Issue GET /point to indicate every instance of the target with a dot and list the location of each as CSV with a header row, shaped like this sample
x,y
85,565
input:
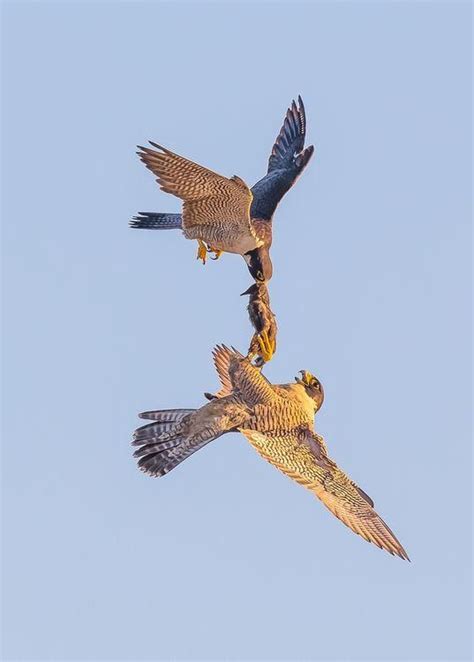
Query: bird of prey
x,y
278,422
224,214
263,343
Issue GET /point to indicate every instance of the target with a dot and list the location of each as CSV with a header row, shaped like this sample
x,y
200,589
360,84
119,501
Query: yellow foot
x,y
202,251
267,346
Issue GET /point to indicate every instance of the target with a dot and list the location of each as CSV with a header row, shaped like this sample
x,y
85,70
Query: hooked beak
x,y
252,289
305,378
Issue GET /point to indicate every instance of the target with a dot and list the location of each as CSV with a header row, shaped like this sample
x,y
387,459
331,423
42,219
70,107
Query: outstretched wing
x,y
208,197
239,376
287,161
301,455
290,141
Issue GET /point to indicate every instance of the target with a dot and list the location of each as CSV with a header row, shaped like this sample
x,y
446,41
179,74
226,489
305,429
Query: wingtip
x,y
250,290
403,555
217,349
158,146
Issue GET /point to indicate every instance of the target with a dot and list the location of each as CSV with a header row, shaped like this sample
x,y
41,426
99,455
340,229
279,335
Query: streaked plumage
x,y
278,422
216,209
263,343
287,161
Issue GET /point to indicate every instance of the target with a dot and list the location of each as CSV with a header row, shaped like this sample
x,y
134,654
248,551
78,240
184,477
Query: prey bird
x,y
263,343
278,422
223,214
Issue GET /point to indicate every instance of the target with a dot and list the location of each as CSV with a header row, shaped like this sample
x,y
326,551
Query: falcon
x,y
222,213
263,343
278,422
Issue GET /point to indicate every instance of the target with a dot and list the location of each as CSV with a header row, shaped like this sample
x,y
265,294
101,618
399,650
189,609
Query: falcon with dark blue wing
x,y
287,161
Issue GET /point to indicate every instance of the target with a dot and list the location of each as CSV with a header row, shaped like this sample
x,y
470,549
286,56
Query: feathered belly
x,y
243,245
286,416
224,237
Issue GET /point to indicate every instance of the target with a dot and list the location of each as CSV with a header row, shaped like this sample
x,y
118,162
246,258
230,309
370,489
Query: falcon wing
x,y
208,197
239,376
287,161
221,356
290,141
301,455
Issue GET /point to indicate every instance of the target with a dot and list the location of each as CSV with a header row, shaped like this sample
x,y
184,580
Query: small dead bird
x,y
263,343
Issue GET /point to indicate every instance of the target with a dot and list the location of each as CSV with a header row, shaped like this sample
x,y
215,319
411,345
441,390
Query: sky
x,y
225,558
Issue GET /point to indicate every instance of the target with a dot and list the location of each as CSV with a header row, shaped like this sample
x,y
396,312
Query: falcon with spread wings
x,y
278,422
223,214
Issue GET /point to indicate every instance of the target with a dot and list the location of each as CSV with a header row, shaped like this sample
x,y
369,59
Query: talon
x,y
267,346
202,251
216,252
255,358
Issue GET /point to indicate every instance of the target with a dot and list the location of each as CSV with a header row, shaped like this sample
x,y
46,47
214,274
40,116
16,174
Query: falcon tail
x,y
171,438
161,443
146,220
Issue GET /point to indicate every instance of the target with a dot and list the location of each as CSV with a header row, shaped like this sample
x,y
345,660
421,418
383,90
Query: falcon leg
x,y
202,251
267,346
253,352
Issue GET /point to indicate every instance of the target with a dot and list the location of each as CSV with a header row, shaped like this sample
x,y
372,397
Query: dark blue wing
x,y
287,161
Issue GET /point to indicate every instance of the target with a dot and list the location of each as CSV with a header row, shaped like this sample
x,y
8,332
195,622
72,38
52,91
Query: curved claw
x,y
216,252
267,346
255,359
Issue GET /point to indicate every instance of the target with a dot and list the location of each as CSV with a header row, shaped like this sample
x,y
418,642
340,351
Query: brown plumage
x,y
214,202
278,422
216,210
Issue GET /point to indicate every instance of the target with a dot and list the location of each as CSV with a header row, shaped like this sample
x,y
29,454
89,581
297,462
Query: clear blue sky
x,y
225,558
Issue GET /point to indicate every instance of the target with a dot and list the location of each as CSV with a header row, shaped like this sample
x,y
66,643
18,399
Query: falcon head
x,y
259,264
312,386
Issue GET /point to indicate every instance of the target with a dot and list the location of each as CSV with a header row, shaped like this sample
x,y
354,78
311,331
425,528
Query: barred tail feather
x,y
165,415
160,457
166,422
168,440
146,220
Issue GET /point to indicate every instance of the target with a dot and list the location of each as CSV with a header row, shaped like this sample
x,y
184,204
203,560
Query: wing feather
x,y
239,376
301,455
208,197
287,161
221,356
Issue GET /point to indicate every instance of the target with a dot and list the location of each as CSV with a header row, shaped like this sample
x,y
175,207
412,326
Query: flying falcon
x,y
224,214
263,343
278,422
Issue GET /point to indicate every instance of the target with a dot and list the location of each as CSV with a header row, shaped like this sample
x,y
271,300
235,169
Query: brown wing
x,y
221,356
301,455
239,376
208,197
